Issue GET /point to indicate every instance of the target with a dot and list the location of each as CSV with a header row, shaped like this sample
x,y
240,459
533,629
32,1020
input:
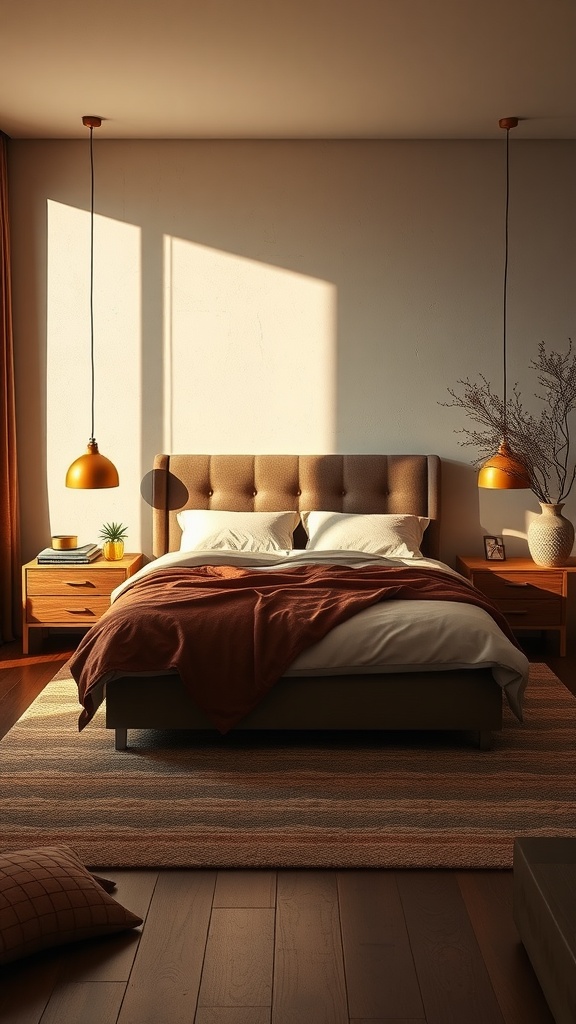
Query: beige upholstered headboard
x,y
274,483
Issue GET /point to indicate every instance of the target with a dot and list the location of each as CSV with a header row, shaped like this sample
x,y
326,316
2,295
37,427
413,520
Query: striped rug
x,y
322,800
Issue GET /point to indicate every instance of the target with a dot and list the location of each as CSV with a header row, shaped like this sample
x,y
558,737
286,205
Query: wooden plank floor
x,y
281,947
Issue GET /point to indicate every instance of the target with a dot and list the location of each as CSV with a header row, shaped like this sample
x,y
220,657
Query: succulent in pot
x,y
113,536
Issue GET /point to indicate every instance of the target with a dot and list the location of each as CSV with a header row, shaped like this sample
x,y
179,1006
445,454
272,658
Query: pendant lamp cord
x,y
92,280
505,302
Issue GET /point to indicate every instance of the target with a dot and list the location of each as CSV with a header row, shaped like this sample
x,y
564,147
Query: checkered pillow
x,y
48,898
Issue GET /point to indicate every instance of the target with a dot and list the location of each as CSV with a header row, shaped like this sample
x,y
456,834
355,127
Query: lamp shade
x,y
92,470
503,471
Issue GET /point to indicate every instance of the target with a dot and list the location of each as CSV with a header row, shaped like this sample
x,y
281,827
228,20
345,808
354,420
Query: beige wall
x,y
278,297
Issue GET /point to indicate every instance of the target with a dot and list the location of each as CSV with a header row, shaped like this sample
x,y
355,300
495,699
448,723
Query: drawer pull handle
x,y
516,611
80,611
509,583
79,583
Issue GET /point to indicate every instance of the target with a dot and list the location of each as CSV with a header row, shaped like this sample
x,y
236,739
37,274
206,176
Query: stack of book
x,y
69,556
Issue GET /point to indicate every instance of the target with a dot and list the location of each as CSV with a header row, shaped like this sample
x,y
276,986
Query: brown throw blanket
x,y
232,632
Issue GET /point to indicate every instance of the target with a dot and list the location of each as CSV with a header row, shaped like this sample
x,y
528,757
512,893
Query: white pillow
x,y
215,530
396,536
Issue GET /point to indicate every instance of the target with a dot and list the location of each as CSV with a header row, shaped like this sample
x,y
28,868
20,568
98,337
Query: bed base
x,y
467,700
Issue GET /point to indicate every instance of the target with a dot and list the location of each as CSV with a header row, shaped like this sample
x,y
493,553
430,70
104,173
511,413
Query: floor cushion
x,y
48,898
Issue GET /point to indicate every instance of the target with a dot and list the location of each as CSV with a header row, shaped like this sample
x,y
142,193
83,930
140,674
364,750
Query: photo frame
x,y
494,549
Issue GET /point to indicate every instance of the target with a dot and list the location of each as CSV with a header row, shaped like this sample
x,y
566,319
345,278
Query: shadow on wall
x,y
460,511
155,490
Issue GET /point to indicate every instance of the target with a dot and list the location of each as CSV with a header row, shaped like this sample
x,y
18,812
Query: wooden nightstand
x,y
530,596
70,595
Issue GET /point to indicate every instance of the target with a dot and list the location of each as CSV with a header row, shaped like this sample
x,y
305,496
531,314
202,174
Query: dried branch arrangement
x,y
541,445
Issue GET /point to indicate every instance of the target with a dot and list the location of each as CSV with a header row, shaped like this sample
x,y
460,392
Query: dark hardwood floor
x,y
282,947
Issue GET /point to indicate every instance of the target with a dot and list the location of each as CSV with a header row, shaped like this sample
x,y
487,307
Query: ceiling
x,y
269,69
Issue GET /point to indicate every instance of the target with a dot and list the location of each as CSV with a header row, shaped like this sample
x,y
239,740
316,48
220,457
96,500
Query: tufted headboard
x,y
275,483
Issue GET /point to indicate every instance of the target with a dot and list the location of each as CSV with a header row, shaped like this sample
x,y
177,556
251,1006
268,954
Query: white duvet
x,y
392,636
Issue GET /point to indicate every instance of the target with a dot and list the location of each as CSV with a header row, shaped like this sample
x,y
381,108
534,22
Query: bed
x,y
463,692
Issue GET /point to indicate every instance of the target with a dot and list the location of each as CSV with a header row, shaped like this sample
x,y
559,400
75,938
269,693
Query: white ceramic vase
x,y
550,536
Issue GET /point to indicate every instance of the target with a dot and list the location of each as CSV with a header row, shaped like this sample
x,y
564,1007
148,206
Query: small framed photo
x,y
494,548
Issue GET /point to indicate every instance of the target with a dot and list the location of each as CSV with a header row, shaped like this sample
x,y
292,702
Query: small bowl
x,y
65,542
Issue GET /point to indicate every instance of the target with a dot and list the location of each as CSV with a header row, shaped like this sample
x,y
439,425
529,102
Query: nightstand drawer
x,y
536,614
80,610
527,586
68,581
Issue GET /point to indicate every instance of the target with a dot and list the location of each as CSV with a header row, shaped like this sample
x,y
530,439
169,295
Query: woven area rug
x,y
280,800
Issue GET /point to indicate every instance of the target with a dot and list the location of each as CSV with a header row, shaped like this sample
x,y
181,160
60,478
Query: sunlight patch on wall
x,y
117,360
249,355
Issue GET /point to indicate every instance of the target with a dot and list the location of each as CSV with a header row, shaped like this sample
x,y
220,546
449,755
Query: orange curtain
x,y
9,521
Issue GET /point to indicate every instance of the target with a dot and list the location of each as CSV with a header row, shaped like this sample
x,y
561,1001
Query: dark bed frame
x,y
469,700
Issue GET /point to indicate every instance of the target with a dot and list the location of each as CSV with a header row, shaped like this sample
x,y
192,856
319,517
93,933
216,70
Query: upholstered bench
x,y
544,907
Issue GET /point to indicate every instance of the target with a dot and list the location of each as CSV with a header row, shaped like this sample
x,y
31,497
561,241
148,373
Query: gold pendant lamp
x,y
92,470
503,470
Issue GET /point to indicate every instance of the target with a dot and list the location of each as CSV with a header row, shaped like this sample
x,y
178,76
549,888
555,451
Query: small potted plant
x,y
113,536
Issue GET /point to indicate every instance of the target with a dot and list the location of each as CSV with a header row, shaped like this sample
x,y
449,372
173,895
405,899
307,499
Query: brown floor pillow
x,y
48,898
